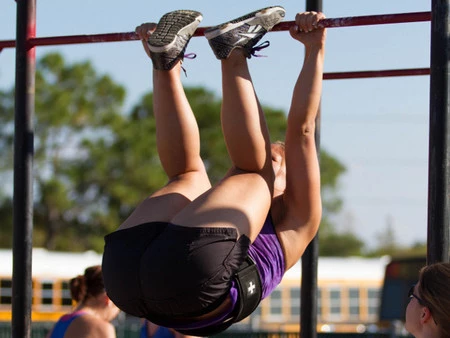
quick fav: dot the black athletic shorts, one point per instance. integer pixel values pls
(164, 271)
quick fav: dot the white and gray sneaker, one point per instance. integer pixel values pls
(168, 42)
(243, 32)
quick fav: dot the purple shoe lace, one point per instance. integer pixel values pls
(259, 47)
(189, 56)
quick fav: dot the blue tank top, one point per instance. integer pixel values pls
(268, 255)
(61, 326)
(162, 332)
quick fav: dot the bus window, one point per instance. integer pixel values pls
(66, 296)
(354, 310)
(5, 291)
(294, 298)
(47, 293)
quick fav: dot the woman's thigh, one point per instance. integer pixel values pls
(168, 201)
(241, 200)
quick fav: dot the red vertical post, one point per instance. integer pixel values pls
(23, 169)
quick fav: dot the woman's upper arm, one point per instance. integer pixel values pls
(302, 195)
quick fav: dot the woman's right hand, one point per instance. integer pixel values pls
(307, 29)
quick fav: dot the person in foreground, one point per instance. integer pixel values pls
(428, 310)
(94, 311)
(198, 258)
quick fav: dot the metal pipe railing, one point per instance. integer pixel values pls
(282, 26)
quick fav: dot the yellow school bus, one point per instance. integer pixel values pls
(348, 299)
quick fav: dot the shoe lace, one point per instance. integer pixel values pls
(259, 47)
(189, 56)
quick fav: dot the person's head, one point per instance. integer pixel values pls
(428, 311)
(89, 290)
(279, 166)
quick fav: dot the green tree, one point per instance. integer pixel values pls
(94, 163)
(387, 244)
(340, 244)
(332, 242)
(6, 168)
(387, 240)
(73, 104)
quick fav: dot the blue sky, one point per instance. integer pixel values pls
(377, 127)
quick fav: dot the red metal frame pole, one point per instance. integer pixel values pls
(23, 170)
(366, 20)
(282, 26)
(376, 73)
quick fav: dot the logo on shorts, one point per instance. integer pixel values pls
(251, 288)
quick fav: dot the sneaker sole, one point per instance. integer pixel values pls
(181, 22)
(264, 17)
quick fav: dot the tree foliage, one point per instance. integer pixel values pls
(389, 245)
(94, 162)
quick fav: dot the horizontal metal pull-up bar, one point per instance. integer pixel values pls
(367, 20)
(282, 26)
(376, 73)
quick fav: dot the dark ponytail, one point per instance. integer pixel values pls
(88, 285)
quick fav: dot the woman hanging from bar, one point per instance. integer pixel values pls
(198, 258)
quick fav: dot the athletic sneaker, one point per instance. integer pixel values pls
(243, 32)
(173, 32)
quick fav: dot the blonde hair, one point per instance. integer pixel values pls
(434, 289)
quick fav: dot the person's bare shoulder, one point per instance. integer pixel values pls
(89, 326)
